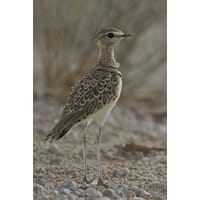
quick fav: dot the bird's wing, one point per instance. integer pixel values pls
(62, 127)
(91, 93)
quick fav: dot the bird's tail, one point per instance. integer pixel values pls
(62, 127)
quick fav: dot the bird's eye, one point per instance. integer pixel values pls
(110, 35)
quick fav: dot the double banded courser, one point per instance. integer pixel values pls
(94, 96)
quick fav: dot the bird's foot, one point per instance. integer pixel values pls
(101, 182)
(86, 183)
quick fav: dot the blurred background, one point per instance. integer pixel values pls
(64, 48)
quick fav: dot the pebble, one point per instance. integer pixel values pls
(122, 172)
(68, 185)
(71, 197)
(103, 198)
(122, 191)
(93, 194)
(39, 189)
(142, 193)
(79, 193)
(111, 194)
(43, 193)
(136, 198)
(64, 191)
(134, 188)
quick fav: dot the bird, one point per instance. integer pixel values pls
(93, 97)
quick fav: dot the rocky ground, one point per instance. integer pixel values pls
(133, 152)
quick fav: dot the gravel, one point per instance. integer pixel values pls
(69, 185)
(123, 172)
(92, 193)
(142, 193)
(133, 162)
(111, 194)
(122, 191)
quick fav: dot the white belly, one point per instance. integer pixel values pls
(101, 116)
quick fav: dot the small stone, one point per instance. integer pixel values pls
(71, 197)
(93, 194)
(56, 192)
(79, 192)
(122, 172)
(68, 184)
(43, 193)
(136, 198)
(103, 198)
(142, 193)
(122, 191)
(111, 194)
(134, 188)
(39, 189)
(84, 186)
(65, 190)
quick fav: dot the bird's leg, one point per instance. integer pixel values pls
(85, 179)
(84, 152)
(100, 179)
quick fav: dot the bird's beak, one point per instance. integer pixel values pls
(126, 35)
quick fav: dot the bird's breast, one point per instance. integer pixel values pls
(117, 86)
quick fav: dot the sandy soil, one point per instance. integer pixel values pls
(133, 152)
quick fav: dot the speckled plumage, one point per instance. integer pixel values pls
(100, 87)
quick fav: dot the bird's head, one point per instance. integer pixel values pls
(110, 37)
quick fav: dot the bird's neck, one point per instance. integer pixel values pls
(107, 57)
